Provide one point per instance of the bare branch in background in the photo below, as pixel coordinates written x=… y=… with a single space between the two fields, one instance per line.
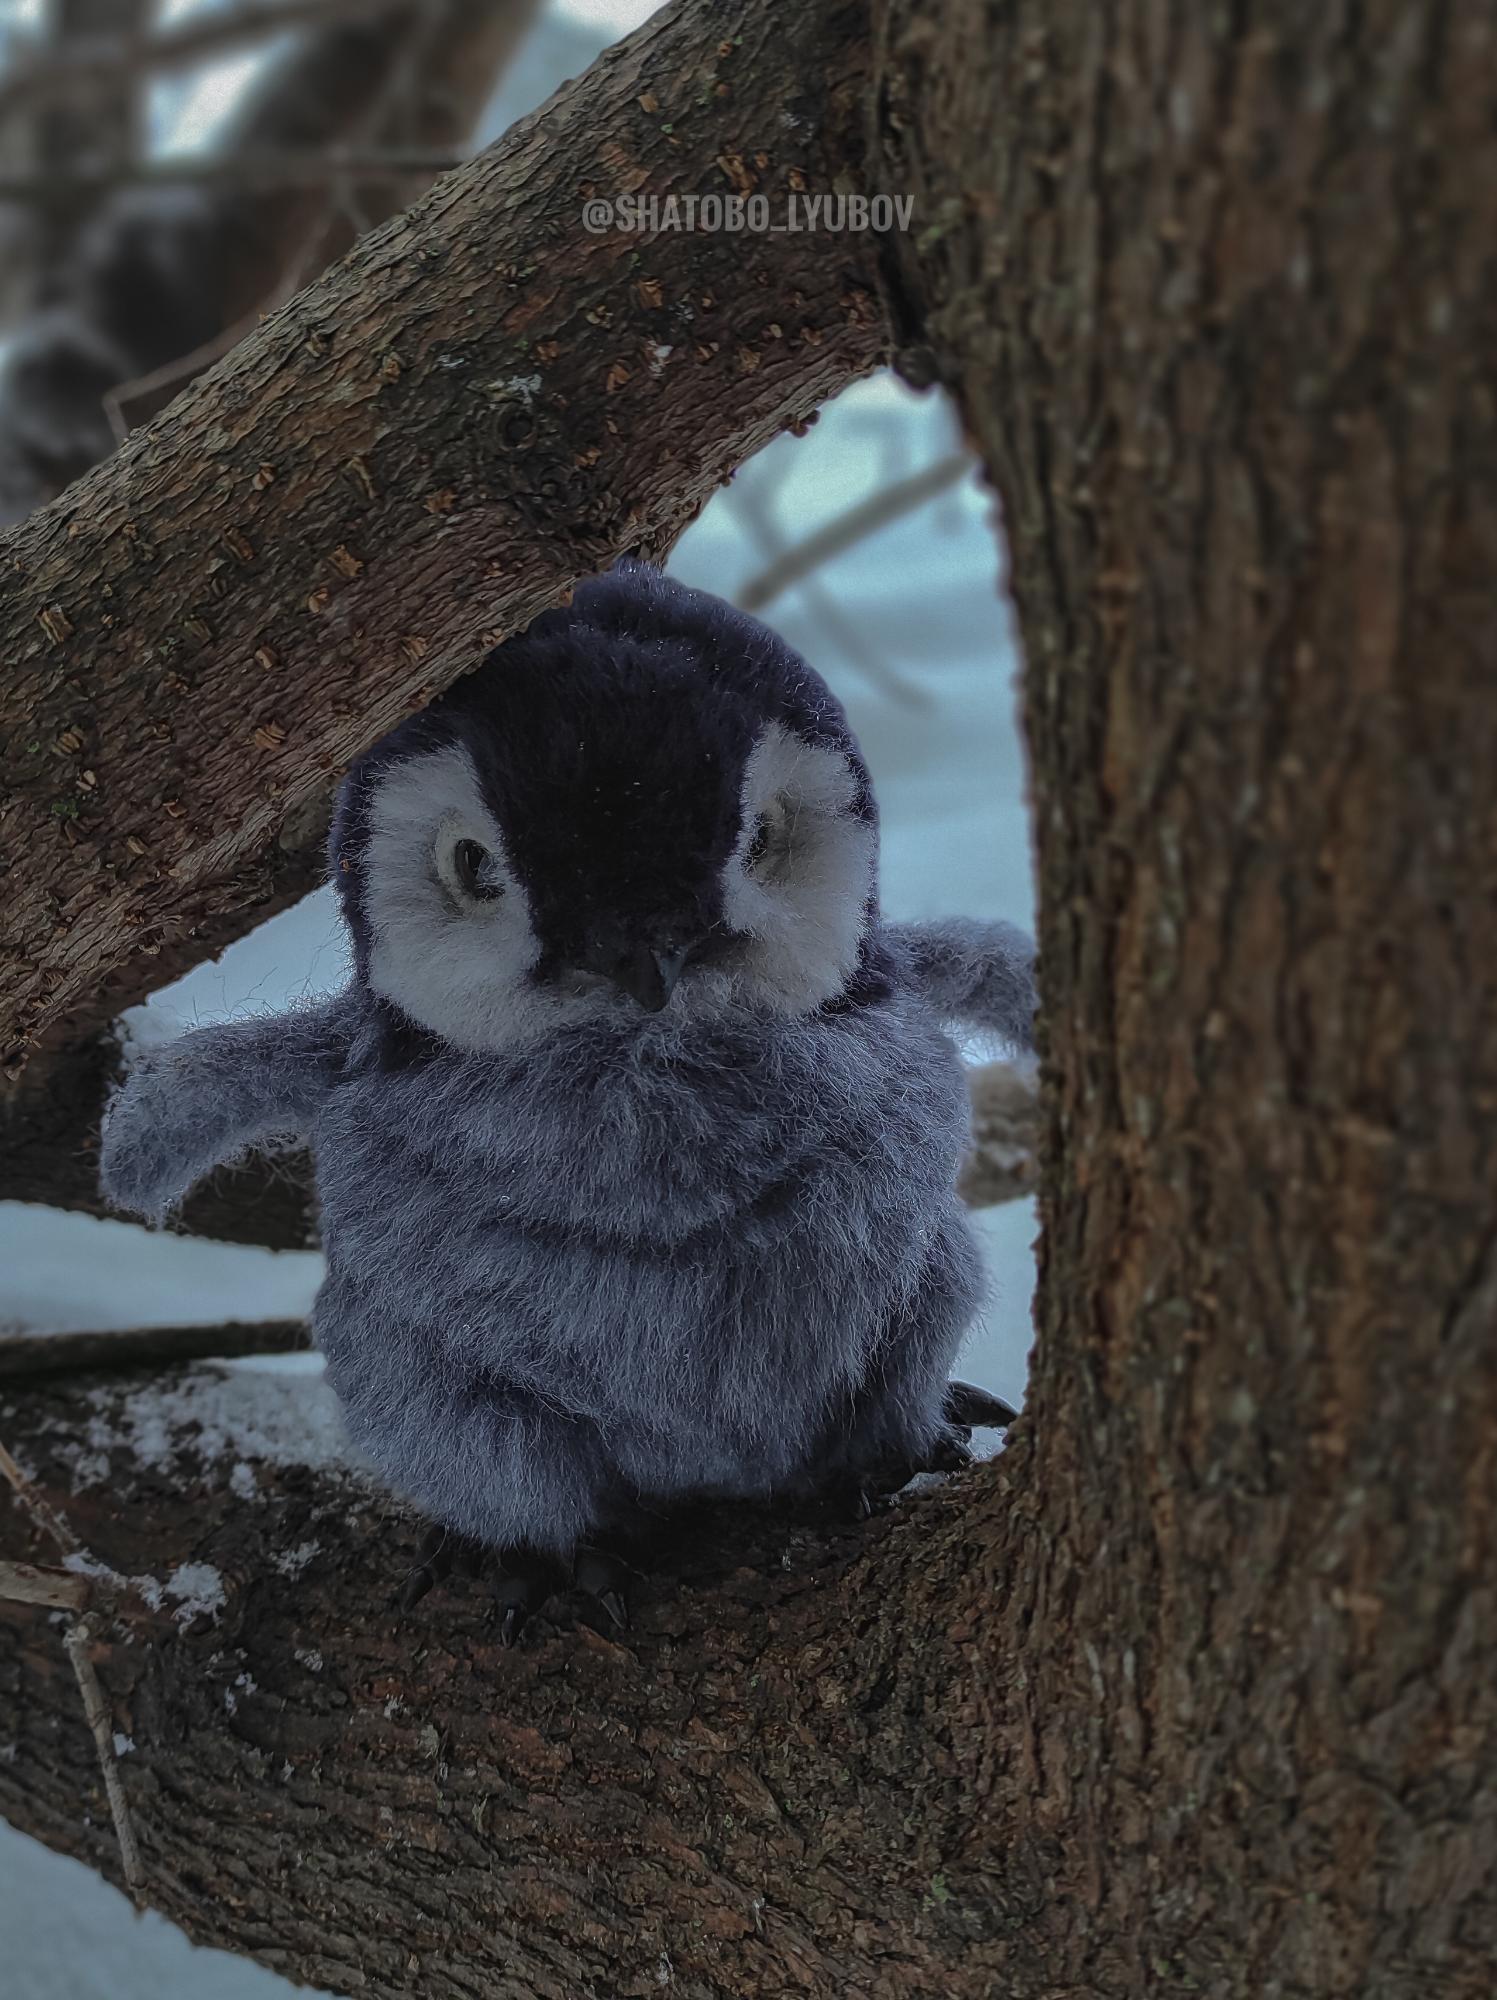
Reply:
x=1003 y=1164
x=33 y=1354
x=181 y=268
x=34 y=77
x=888 y=505
x=751 y=503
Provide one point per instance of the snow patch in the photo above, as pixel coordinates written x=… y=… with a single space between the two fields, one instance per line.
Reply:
x=123 y=1744
x=291 y=1562
x=199 y=1589
x=146 y=1588
x=146 y=1027
x=216 y=1413
x=310 y=1658
x=243 y=1684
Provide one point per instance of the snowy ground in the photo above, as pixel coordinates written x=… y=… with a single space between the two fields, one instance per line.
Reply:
x=918 y=605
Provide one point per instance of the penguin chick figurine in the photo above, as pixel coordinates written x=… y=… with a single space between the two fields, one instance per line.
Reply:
x=637 y=1129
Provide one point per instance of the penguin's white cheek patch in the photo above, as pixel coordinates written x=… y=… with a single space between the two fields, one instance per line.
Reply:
x=799 y=880
x=455 y=967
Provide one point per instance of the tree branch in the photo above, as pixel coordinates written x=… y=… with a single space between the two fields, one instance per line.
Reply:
x=31 y=1354
x=163 y=273
x=891 y=503
x=488 y=403
x=732 y=1794
x=155 y=279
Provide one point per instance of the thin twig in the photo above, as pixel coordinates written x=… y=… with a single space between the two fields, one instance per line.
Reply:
x=854 y=526
x=46 y=1518
x=136 y=401
x=58 y=73
x=313 y=168
x=77 y=1640
x=751 y=505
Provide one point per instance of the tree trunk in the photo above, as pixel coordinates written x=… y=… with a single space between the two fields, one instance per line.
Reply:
x=1191 y=1692
x=1221 y=315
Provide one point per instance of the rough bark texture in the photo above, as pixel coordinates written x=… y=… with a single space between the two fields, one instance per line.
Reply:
x=1191 y=1693
x=760 y=1793
x=1215 y=290
x=480 y=404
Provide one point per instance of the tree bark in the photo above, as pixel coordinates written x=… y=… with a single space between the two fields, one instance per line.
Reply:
x=745 y=1798
x=478 y=405
x=1214 y=289
x=1190 y=1693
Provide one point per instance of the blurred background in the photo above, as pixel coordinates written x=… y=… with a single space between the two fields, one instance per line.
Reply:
x=169 y=169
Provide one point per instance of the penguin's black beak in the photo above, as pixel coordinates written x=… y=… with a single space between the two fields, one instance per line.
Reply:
x=650 y=976
x=646 y=972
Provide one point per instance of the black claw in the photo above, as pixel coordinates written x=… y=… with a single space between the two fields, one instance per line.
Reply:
x=415 y=1588
x=433 y=1565
x=613 y=1603
x=603 y=1578
x=521 y=1584
x=855 y=1500
x=966 y=1405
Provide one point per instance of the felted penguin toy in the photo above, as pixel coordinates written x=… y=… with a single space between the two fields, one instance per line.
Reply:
x=637 y=1128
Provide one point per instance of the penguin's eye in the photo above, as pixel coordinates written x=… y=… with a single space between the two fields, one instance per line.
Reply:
x=475 y=876
x=758 y=846
x=768 y=852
